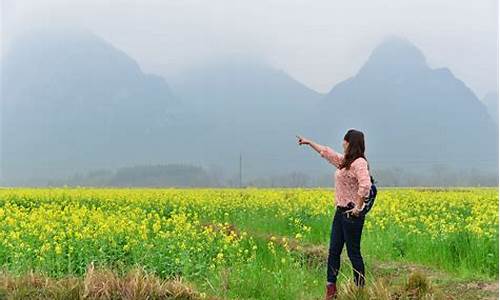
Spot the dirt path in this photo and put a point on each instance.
(395, 275)
(397, 272)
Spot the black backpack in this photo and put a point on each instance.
(370, 200)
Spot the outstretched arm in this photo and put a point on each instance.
(326, 152)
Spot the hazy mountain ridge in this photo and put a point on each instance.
(70, 100)
(99, 110)
(248, 108)
(406, 108)
(491, 102)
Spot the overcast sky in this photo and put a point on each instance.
(317, 42)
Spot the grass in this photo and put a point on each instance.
(120, 255)
(243, 282)
(96, 284)
(464, 255)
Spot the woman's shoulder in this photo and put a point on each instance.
(359, 162)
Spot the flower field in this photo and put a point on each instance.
(242, 243)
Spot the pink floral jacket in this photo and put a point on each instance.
(348, 183)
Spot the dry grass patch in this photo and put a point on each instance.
(98, 283)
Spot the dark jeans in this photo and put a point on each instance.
(346, 230)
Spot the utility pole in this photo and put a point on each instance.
(240, 169)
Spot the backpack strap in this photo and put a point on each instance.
(371, 177)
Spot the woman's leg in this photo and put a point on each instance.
(335, 249)
(353, 228)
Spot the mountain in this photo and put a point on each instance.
(246, 106)
(71, 101)
(412, 115)
(491, 102)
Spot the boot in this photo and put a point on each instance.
(331, 291)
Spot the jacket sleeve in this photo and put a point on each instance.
(360, 169)
(332, 156)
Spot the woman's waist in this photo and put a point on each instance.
(346, 202)
(343, 194)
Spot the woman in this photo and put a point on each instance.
(352, 185)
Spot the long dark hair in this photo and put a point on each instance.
(355, 149)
